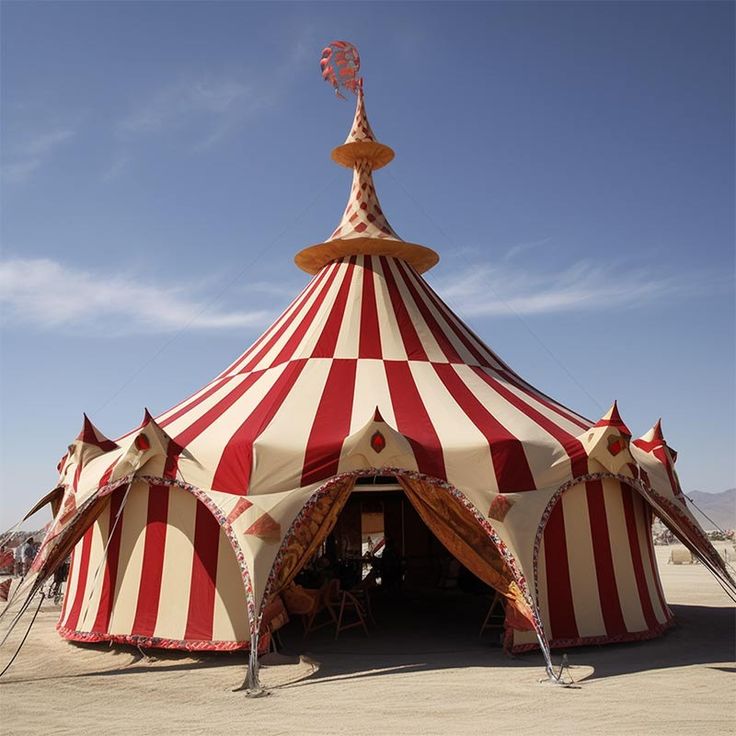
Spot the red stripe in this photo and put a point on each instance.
(327, 342)
(112, 558)
(214, 413)
(287, 352)
(107, 474)
(509, 460)
(437, 332)
(217, 384)
(154, 547)
(572, 445)
(409, 337)
(287, 322)
(331, 423)
(412, 419)
(559, 589)
(200, 617)
(605, 574)
(80, 595)
(233, 470)
(461, 330)
(370, 334)
(77, 473)
(627, 494)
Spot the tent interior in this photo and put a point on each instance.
(422, 587)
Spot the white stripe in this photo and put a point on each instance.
(176, 575)
(581, 562)
(623, 563)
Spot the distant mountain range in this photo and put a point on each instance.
(720, 507)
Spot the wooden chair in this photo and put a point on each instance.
(342, 602)
(307, 603)
(496, 602)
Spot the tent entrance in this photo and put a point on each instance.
(440, 550)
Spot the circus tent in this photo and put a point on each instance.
(184, 529)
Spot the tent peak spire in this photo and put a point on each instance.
(364, 228)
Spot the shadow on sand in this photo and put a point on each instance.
(420, 633)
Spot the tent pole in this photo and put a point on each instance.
(252, 684)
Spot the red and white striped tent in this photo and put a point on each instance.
(184, 529)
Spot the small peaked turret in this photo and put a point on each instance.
(607, 442)
(364, 228)
(612, 418)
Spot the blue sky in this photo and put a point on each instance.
(572, 163)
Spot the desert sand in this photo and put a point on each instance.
(420, 674)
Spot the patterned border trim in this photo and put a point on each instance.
(87, 637)
(652, 633)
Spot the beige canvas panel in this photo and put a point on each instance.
(92, 471)
(208, 447)
(519, 527)
(581, 561)
(392, 346)
(260, 553)
(72, 582)
(132, 544)
(540, 447)
(645, 544)
(348, 340)
(371, 391)
(96, 570)
(623, 565)
(176, 577)
(278, 452)
(231, 613)
(431, 348)
(466, 452)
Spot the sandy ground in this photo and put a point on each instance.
(410, 677)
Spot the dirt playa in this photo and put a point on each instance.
(422, 673)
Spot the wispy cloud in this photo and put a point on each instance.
(483, 290)
(209, 106)
(22, 158)
(519, 248)
(116, 168)
(218, 103)
(49, 295)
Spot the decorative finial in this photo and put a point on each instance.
(363, 229)
(340, 64)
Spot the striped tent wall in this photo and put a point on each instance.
(597, 576)
(169, 577)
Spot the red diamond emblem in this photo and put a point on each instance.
(378, 442)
